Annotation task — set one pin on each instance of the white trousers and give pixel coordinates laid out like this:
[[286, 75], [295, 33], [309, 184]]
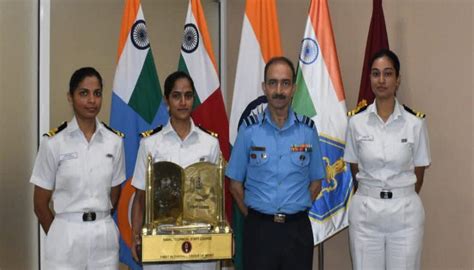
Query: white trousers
[[386, 234], [182, 266], [77, 245]]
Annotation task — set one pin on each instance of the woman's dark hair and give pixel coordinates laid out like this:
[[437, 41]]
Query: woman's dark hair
[[79, 75], [390, 55], [280, 60], [171, 80]]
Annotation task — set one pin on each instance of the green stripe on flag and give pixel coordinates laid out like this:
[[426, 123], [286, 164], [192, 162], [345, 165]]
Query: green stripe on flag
[[302, 102], [146, 96], [184, 68]]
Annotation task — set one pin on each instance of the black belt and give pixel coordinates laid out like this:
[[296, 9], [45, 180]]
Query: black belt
[[279, 217]]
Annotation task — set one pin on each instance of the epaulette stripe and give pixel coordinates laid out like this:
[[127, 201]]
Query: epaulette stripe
[[417, 114], [120, 134], [247, 123], [361, 106], [252, 119], [213, 134], [151, 132], [296, 117], [307, 121], [56, 130]]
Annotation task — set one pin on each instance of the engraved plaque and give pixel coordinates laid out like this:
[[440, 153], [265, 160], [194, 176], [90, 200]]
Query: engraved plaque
[[201, 201], [167, 192]]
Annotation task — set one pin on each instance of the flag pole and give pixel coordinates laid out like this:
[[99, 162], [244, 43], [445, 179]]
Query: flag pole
[[321, 256]]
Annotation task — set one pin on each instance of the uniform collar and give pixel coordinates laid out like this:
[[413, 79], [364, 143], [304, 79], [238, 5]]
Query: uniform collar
[[288, 123], [397, 111], [169, 130], [73, 126]]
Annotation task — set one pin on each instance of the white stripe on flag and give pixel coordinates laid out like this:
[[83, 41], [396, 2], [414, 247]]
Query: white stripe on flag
[[205, 84], [330, 119], [248, 77], [129, 67]]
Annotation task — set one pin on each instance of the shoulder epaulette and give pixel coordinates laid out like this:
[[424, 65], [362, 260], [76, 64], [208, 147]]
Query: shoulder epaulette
[[56, 130], [120, 134], [305, 120], [251, 120], [150, 132], [417, 114], [360, 108], [213, 134]]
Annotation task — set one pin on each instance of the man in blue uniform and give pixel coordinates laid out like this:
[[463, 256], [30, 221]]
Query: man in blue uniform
[[275, 171]]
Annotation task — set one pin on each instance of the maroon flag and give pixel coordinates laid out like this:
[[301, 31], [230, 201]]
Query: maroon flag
[[376, 40]]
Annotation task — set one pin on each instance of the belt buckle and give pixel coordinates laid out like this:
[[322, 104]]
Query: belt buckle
[[279, 218], [89, 216], [386, 194]]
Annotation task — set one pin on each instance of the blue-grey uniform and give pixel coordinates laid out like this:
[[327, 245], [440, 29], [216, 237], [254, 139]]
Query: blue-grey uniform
[[276, 166]]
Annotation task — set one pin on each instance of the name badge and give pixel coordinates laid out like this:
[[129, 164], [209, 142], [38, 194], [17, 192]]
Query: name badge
[[258, 148], [367, 138], [68, 156]]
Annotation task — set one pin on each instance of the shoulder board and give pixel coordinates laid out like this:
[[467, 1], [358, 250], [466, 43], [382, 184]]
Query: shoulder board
[[56, 130], [306, 121], [120, 134], [251, 120], [213, 134], [415, 113], [150, 132], [360, 108]]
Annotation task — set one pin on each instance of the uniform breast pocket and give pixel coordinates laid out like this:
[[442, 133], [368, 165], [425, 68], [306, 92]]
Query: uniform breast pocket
[[107, 165], [367, 148], [258, 158], [300, 159], [68, 171], [402, 151]]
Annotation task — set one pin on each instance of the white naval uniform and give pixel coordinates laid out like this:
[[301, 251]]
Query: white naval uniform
[[81, 175], [166, 145], [386, 233]]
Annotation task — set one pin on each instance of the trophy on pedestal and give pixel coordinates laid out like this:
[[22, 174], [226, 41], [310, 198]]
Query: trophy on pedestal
[[184, 213]]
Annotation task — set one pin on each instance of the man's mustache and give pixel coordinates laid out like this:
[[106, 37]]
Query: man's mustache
[[278, 96]]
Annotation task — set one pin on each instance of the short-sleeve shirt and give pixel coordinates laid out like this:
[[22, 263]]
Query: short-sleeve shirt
[[166, 145], [387, 152], [79, 172], [277, 164]]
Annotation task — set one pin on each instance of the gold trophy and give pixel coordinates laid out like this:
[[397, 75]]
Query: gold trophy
[[184, 213]]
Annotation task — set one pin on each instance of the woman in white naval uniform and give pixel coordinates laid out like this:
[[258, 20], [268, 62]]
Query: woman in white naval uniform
[[388, 150], [79, 167], [180, 142]]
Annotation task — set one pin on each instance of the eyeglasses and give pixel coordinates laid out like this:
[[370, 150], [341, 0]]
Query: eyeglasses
[[284, 84]]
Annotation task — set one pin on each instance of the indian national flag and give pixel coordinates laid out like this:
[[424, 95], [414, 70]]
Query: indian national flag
[[259, 42], [320, 95], [137, 105], [197, 59]]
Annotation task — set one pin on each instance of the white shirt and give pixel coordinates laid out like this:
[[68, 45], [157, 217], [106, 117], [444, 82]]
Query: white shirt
[[166, 145], [387, 152], [81, 173]]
